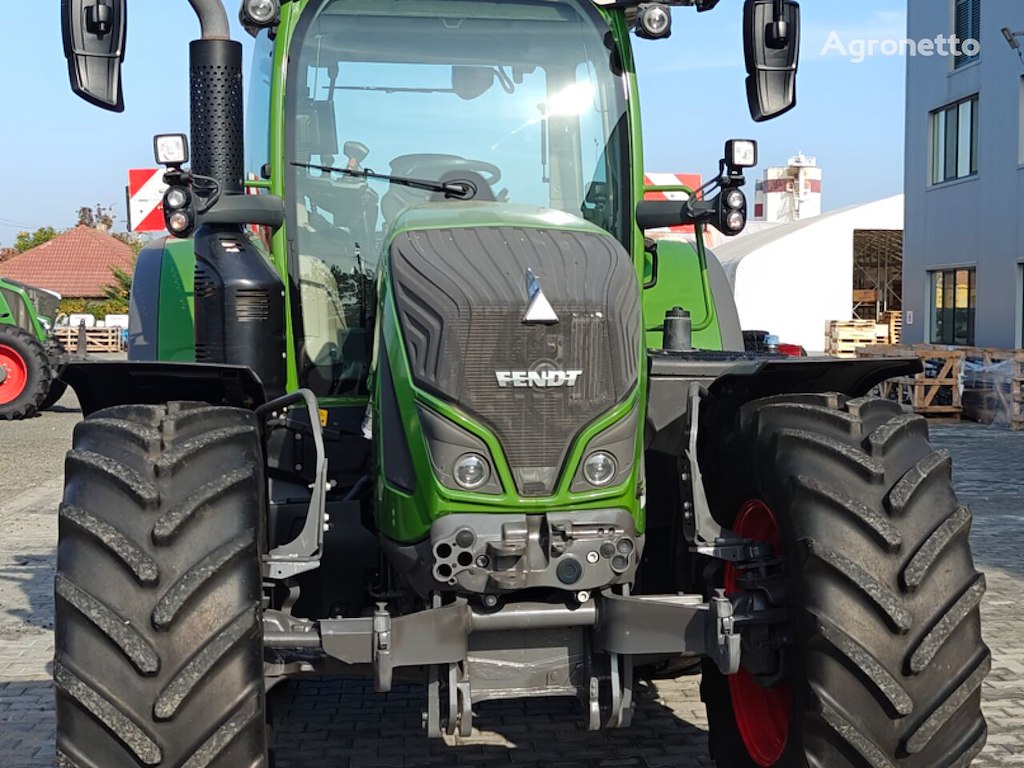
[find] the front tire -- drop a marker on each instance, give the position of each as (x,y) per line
(158,631)
(25,374)
(887,659)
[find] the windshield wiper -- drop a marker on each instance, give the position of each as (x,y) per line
(460,190)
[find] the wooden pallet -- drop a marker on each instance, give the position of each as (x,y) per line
(96,339)
(935,392)
(894,321)
(992,397)
(843,337)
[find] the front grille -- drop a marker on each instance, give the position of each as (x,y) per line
(461,297)
(535,423)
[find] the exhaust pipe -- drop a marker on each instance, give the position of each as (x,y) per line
(213,19)
(215,69)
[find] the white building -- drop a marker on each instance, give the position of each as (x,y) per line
(791,279)
(789,193)
(964,241)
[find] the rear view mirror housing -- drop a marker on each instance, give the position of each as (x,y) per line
(772,48)
(94,44)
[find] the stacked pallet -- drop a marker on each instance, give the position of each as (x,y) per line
(937,391)
(993,387)
(894,323)
(96,339)
(843,337)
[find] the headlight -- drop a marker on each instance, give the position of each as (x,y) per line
(599,469)
(471,471)
(180,224)
(177,197)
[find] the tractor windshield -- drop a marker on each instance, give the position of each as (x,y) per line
(524,99)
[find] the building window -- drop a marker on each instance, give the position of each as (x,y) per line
(967,26)
(1019,341)
(954,298)
(1020,125)
(954,141)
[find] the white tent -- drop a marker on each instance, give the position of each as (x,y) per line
(792,278)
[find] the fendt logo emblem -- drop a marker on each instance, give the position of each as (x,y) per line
(543,379)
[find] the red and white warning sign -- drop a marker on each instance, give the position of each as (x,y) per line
(146,199)
(691,180)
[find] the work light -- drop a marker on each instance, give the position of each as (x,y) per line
(653,21)
(171,149)
(261,13)
(741,153)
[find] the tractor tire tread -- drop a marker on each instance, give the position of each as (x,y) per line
(940,632)
(936,466)
(132,644)
(888,640)
(892,693)
(158,657)
(957,524)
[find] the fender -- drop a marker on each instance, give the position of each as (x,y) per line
(730,381)
(103,385)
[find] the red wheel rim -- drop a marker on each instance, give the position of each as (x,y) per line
(15,375)
(762,714)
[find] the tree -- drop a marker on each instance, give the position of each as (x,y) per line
(132,239)
(119,291)
(101,218)
(26,241)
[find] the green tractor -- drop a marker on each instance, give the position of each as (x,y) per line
(30,357)
(461,424)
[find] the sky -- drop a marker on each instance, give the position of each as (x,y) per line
(58,153)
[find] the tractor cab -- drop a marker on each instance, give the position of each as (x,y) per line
(519,106)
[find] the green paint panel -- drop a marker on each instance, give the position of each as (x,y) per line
(17,308)
(176,312)
(681,282)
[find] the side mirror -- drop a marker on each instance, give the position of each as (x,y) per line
(771,42)
(94,38)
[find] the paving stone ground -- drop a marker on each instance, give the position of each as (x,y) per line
(340,723)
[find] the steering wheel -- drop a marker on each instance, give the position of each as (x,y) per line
(434,166)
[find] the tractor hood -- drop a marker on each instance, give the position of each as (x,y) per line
(526,319)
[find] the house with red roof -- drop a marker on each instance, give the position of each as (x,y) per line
(77,264)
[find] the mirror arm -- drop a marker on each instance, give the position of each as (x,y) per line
(655,214)
(263,210)
(778,35)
